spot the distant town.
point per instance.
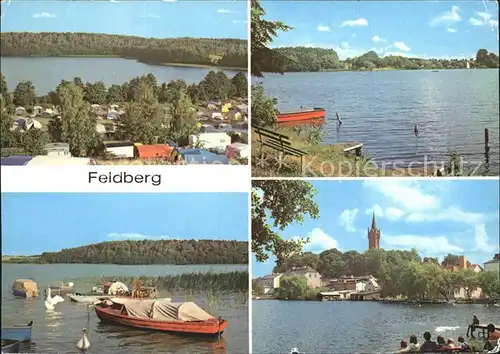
(333, 275)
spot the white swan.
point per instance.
(84, 342)
(51, 301)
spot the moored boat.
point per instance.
(10, 346)
(160, 315)
(18, 332)
(61, 289)
(25, 288)
(313, 116)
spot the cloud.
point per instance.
(475, 22)
(451, 30)
(377, 39)
(151, 16)
(390, 213)
(408, 195)
(447, 17)
(134, 236)
(481, 240)
(485, 19)
(397, 54)
(169, 0)
(484, 15)
(377, 209)
(44, 15)
(451, 213)
(323, 28)
(239, 21)
(345, 45)
(347, 219)
(320, 241)
(394, 214)
(355, 23)
(430, 245)
(402, 46)
(223, 11)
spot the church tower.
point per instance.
(373, 235)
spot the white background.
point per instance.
(188, 178)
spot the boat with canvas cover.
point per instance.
(160, 315)
(18, 332)
(25, 288)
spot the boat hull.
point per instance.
(205, 328)
(20, 332)
(315, 116)
(10, 346)
(20, 293)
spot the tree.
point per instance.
(240, 84)
(451, 260)
(77, 127)
(263, 108)
(284, 202)
(469, 280)
(8, 138)
(95, 93)
(24, 94)
(293, 287)
(115, 94)
(143, 123)
(3, 88)
(258, 289)
(262, 33)
(331, 263)
(33, 141)
(216, 86)
(489, 282)
(183, 117)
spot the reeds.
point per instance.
(236, 281)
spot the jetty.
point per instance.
(350, 148)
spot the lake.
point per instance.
(58, 331)
(47, 73)
(355, 327)
(379, 109)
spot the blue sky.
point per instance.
(160, 19)
(437, 218)
(439, 29)
(41, 222)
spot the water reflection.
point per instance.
(157, 341)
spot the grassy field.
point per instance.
(20, 259)
(322, 160)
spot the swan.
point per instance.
(84, 342)
(51, 301)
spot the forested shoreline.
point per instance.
(224, 52)
(177, 252)
(306, 59)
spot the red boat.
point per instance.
(160, 315)
(313, 116)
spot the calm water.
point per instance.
(354, 327)
(59, 331)
(451, 108)
(47, 73)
